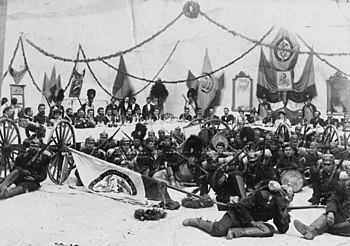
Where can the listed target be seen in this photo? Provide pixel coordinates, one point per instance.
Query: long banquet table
(82, 134)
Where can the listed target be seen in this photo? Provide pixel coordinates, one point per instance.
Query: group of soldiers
(243, 166)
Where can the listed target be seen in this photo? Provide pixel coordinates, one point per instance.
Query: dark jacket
(264, 205)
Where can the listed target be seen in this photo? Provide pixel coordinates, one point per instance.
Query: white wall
(106, 26)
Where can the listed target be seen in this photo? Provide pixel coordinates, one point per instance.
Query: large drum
(294, 178)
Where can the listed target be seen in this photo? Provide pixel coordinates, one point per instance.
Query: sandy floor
(59, 215)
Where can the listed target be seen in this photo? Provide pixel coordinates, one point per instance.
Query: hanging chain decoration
(143, 79)
(265, 44)
(322, 59)
(26, 64)
(142, 89)
(100, 58)
(13, 57)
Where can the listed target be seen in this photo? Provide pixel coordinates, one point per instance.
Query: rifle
(109, 139)
(233, 204)
(173, 135)
(335, 169)
(36, 156)
(306, 207)
(126, 135)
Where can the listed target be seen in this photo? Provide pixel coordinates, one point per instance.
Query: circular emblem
(206, 84)
(283, 55)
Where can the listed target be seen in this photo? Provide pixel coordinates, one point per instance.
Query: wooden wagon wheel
(217, 125)
(196, 121)
(283, 133)
(10, 145)
(61, 137)
(329, 135)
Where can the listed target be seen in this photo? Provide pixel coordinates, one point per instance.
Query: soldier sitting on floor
(336, 220)
(29, 171)
(323, 179)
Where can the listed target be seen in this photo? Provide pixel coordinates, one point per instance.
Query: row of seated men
(230, 168)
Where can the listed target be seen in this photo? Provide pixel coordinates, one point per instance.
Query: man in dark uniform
(113, 107)
(336, 220)
(323, 179)
(330, 120)
(288, 161)
(147, 109)
(91, 93)
(247, 217)
(28, 173)
(263, 108)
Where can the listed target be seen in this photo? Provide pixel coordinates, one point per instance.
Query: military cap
(104, 134)
(328, 158)
(89, 140)
(333, 144)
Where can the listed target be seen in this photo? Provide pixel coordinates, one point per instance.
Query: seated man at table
(186, 115)
(317, 121)
(101, 118)
(330, 120)
(29, 171)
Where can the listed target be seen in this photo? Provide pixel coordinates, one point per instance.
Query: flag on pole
(284, 59)
(122, 85)
(51, 86)
(77, 80)
(119, 183)
(207, 86)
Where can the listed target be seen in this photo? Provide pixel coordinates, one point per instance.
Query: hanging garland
(101, 58)
(13, 57)
(26, 64)
(322, 59)
(268, 45)
(198, 77)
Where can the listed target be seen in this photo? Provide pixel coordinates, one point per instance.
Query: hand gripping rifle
(37, 155)
(335, 169)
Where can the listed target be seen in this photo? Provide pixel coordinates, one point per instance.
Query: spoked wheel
(10, 146)
(283, 133)
(196, 121)
(216, 125)
(61, 137)
(329, 135)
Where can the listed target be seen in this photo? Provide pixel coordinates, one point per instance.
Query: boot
(250, 232)
(316, 228)
(204, 225)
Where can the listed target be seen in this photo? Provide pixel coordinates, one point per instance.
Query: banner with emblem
(122, 184)
(77, 80)
(282, 59)
(207, 86)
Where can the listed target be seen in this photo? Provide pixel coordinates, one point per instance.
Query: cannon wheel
(196, 121)
(329, 135)
(283, 133)
(219, 125)
(61, 137)
(10, 145)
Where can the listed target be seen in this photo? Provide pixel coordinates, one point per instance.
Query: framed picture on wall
(242, 91)
(284, 80)
(338, 91)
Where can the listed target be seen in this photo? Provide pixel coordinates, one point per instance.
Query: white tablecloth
(82, 134)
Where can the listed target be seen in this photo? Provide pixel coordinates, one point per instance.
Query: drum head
(294, 178)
